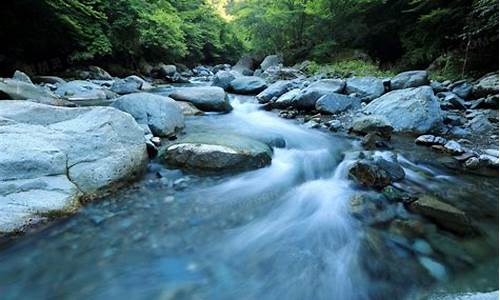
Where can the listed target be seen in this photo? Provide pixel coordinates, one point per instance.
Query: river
(281, 232)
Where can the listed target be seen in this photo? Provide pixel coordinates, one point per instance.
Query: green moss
(347, 68)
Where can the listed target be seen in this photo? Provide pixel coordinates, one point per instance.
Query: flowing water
(281, 232)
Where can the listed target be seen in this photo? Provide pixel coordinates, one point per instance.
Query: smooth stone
(250, 85)
(206, 98)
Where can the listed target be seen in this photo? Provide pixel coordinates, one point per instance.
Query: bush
(348, 68)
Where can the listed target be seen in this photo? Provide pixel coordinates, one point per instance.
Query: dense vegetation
(459, 36)
(124, 31)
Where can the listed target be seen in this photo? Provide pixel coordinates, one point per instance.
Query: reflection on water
(281, 232)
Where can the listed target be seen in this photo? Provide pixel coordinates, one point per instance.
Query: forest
(456, 38)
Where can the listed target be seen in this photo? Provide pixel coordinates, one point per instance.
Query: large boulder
(308, 96)
(20, 90)
(206, 98)
(271, 61)
(414, 110)
(217, 153)
(51, 157)
(367, 88)
(336, 103)
(223, 79)
(162, 114)
(247, 85)
(83, 91)
(487, 85)
(409, 79)
(275, 90)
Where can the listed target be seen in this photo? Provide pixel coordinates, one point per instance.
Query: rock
(247, 85)
(19, 90)
(286, 99)
(188, 109)
(308, 97)
(409, 110)
(370, 124)
(456, 101)
(53, 102)
(453, 147)
(98, 73)
(376, 174)
(162, 114)
(276, 73)
(409, 79)
(165, 70)
(270, 61)
(489, 161)
(429, 140)
(480, 125)
(51, 157)
(20, 76)
(442, 213)
(206, 98)
(435, 269)
(246, 65)
(490, 102)
(367, 88)
(79, 90)
(202, 71)
(223, 79)
(217, 153)
(491, 152)
(129, 85)
(221, 67)
(371, 209)
(487, 85)
(276, 89)
(438, 87)
(336, 103)
(472, 163)
(48, 79)
(462, 89)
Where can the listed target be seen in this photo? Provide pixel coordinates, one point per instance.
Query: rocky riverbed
(256, 180)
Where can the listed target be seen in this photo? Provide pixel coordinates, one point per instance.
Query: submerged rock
(162, 114)
(52, 156)
(414, 110)
(209, 98)
(217, 153)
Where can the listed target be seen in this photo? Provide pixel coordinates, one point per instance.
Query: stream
(281, 232)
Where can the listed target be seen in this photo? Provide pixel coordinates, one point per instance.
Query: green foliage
(347, 68)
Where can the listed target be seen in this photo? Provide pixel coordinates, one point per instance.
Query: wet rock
(276, 89)
(217, 153)
(162, 114)
(367, 88)
(409, 79)
(376, 174)
(21, 76)
(52, 156)
(19, 90)
(453, 147)
(371, 209)
(429, 140)
(205, 98)
(407, 228)
(414, 110)
(487, 85)
(247, 85)
(472, 163)
(223, 79)
(308, 97)
(372, 124)
(336, 103)
(444, 214)
(286, 99)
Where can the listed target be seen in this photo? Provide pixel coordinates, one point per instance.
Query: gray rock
(247, 85)
(372, 124)
(246, 65)
(79, 90)
(223, 79)
(188, 109)
(429, 140)
(489, 160)
(53, 156)
(166, 70)
(409, 110)
(409, 79)
(453, 147)
(129, 85)
(276, 89)
(19, 90)
(217, 153)
(462, 89)
(442, 213)
(367, 88)
(487, 85)
(21, 76)
(48, 79)
(375, 174)
(308, 96)
(438, 87)
(286, 99)
(98, 73)
(336, 103)
(162, 114)
(270, 61)
(206, 98)
(456, 101)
